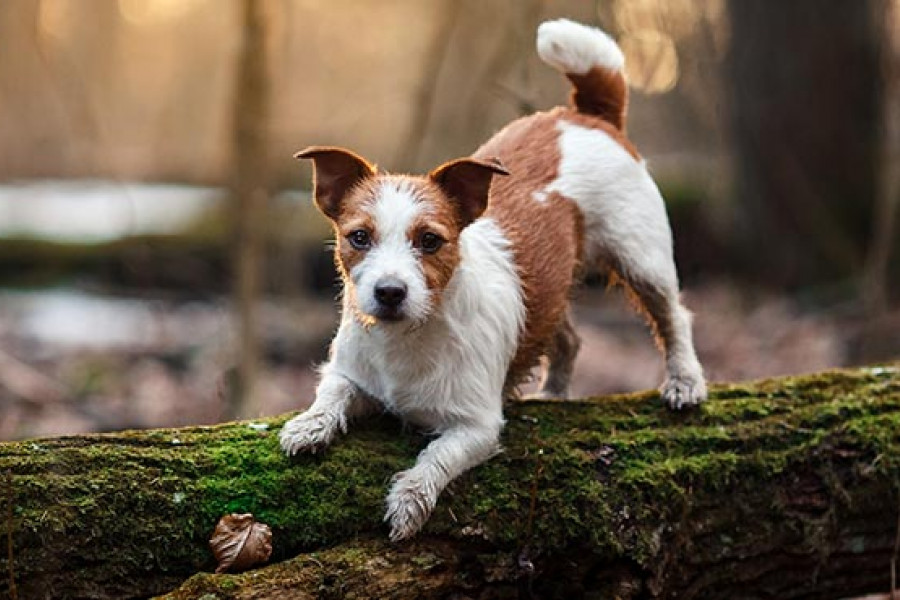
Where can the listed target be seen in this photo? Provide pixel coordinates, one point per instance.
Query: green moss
(137, 508)
(654, 469)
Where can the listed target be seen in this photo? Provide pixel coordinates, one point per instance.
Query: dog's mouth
(389, 314)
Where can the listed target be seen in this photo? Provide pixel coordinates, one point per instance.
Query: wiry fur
(478, 313)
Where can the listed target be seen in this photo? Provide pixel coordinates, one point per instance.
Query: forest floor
(73, 363)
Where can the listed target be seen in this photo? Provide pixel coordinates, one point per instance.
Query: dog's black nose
(390, 292)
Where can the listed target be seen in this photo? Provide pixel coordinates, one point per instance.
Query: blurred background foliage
(160, 262)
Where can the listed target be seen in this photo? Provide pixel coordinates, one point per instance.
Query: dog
(456, 284)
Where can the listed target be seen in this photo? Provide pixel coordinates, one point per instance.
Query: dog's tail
(594, 64)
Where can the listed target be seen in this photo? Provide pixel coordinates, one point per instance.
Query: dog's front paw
(409, 504)
(308, 432)
(683, 391)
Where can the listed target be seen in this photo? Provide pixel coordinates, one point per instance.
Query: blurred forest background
(161, 264)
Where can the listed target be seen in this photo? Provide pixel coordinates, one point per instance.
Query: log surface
(785, 488)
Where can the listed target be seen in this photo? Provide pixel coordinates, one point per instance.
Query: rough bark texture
(777, 489)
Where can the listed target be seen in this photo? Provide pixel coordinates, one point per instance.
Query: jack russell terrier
(457, 283)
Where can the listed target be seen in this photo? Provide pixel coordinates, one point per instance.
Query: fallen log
(786, 488)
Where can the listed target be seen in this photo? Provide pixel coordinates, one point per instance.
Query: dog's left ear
(468, 182)
(336, 172)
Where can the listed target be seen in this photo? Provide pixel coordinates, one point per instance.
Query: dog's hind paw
(679, 391)
(409, 504)
(309, 432)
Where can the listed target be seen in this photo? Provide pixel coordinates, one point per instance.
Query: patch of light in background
(55, 19)
(678, 18)
(98, 211)
(651, 61)
(70, 319)
(649, 31)
(154, 13)
(894, 25)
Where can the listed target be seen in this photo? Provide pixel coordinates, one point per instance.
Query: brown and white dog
(455, 288)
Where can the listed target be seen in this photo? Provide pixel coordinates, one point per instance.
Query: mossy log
(787, 488)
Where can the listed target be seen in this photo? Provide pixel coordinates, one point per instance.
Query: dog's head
(397, 235)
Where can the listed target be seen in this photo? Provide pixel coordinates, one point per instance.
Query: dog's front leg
(414, 492)
(337, 399)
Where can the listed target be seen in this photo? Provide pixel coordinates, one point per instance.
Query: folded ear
(335, 171)
(468, 182)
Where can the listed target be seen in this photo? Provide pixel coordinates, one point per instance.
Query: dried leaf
(240, 542)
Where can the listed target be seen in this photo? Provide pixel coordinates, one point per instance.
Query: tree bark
(785, 488)
(410, 150)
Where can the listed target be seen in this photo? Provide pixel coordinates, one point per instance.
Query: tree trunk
(410, 150)
(251, 195)
(778, 489)
(807, 121)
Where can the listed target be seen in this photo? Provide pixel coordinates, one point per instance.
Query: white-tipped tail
(575, 48)
(593, 63)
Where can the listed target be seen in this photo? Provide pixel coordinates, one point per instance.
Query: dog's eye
(360, 239)
(430, 242)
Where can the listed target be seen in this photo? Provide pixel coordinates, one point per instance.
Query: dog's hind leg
(657, 296)
(560, 361)
(627, 233)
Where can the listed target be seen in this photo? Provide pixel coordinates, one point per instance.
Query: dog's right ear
(335, 171)
(468, 181)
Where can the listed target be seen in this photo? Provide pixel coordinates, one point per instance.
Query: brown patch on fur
(438, 268)
(444, 219)
(601, 92)
(353, 216)
(595, 122)
(546, 236)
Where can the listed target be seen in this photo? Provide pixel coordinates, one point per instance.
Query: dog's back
(580, 197)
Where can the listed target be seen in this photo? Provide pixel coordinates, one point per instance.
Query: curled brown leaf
(240, 542)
